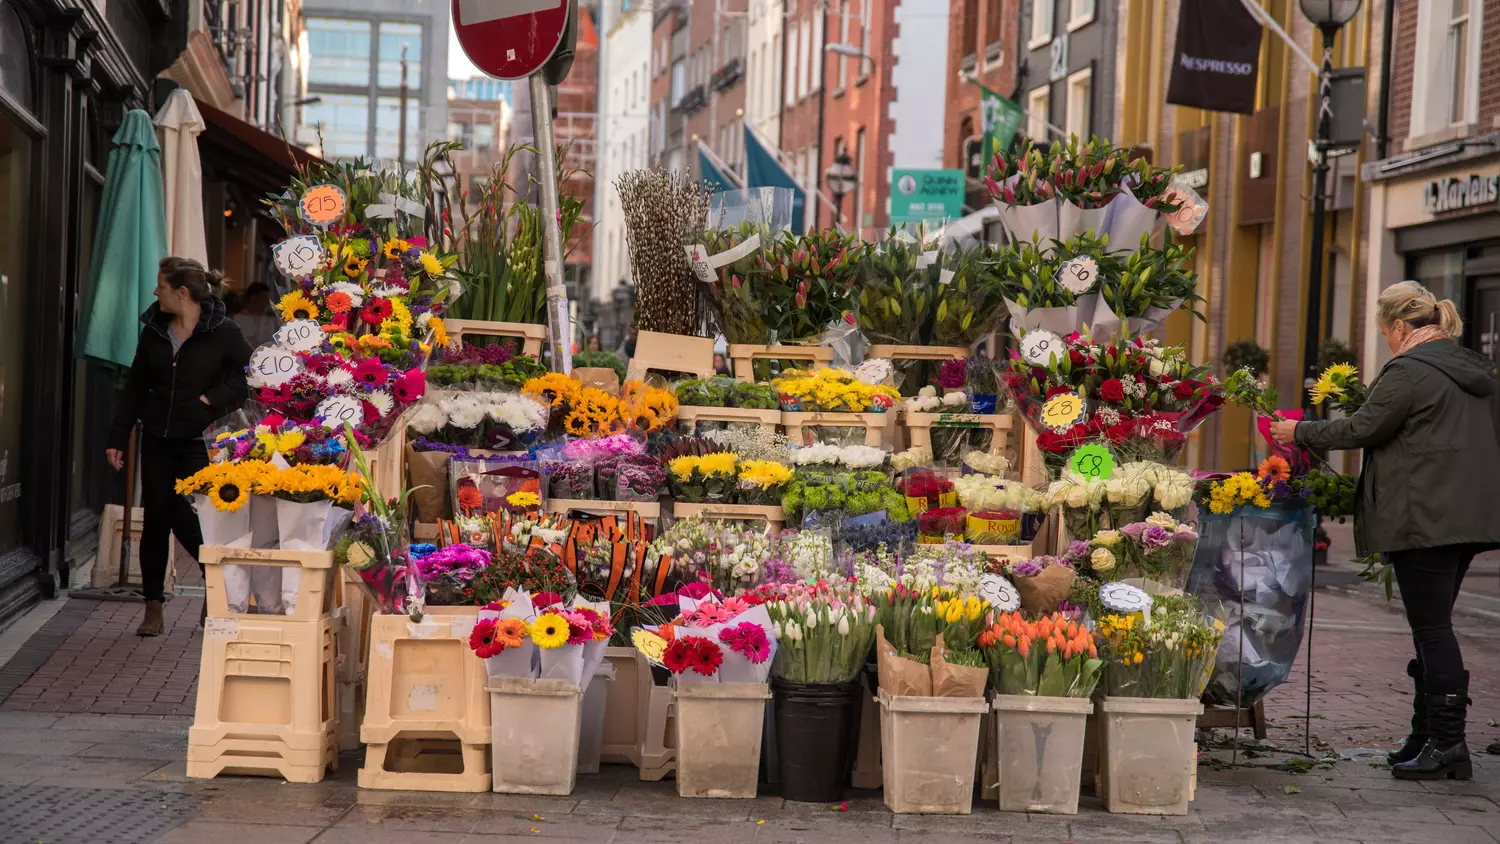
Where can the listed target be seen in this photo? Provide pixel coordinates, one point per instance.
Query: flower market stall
(878, 548)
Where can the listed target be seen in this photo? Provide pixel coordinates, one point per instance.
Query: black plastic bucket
(815, 725)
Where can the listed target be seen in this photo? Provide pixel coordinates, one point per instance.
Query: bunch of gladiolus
(825, 630)
(1048, 657)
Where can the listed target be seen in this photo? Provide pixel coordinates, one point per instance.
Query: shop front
(1436, 220)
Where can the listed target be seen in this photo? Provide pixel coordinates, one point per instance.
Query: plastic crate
(316, 591)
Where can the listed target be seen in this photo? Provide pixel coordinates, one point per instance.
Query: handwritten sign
(1039, 346)
(649, 644)
(336, 410)
(1122, 597)
(299, 257)
(272, 366)
(299, 335)
(1001, 593)
(1191, 208)
(1092, 461)
(323, 205)
(1078, 275)
(1062, 411)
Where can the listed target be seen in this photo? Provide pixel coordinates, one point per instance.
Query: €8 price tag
(1062, 410)
(323, 205)
(1092, 461)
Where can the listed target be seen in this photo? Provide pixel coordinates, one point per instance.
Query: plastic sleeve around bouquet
(969, 294)
(511, 486)
(377, 550)
(569, 479)
(1253, 570)
(895, 299)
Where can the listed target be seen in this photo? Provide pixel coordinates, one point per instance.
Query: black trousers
(1430, 579)
(168, 514)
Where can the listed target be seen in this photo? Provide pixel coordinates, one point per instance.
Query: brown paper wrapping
(949, 680)
(427, 473)
(899, 676)
(1041, 594)
(602, 377)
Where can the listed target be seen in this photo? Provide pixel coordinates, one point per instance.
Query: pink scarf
(1425, 334)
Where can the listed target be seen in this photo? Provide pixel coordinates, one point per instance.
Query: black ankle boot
(1414, 742)
(1445, 755)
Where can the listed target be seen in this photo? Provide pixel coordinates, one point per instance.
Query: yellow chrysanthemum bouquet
(832, 391)
(762, 482)
(702, 479)
(1341, 388)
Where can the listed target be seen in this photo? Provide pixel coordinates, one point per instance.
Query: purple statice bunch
(471, 355)
(463, 453)
(570, 480)
(459, 560)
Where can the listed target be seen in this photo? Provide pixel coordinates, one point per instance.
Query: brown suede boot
(153, 623)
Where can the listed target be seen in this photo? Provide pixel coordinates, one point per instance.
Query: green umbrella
(129, 242)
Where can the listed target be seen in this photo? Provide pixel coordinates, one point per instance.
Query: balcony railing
(694, 100)
(730, 73)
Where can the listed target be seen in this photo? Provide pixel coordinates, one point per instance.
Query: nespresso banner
(1218, 53)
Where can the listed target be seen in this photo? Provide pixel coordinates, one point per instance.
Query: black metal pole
(1313, 332)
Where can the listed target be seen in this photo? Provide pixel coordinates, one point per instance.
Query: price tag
(945, 276)
(1122, 597)
(299, 335)
(1078, 275)
(271, 366)
(1040, 346)
(221, 628)
(1191, 210)
(649, 644)
(1092, 461)
(927, 259)
(299, 257)
(697, 255)
(1062, 411)
(336, 410)
(323, 205)
(1001, 593)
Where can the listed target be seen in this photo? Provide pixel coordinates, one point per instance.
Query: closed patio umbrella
(180, 124)
(129, 242)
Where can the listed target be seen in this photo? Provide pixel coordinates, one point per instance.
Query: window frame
(1037, 115)
(1072, 82)
(1081, 13)
(1037, 39)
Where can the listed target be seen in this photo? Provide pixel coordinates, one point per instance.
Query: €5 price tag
(1001, 593)
(1062, 411)
(1092, 461)
(1122, 597)
(323, 205)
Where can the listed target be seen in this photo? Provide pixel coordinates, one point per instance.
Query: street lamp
(1328, 16)
(839, 178)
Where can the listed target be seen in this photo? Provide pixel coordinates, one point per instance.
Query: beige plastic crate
(1039, 745)
(265, 699)
(930, 747)
(354, 626)
(388, 461)
(316, 592)
(637, 719)
(427, 713)
(719, 728)
(1147, 757)
(107, 559)
(534, 734)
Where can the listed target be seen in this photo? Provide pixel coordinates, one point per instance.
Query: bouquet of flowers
(709, 478)
(1081, 499)
(712, 551)
(762, 482)
(832, 390)
(1341, 388)
(927, 490)
(952, 565)
(535, 570)
(1043, 582)
(913, 620)
(927, 400)
(941, 524)
(1169, 658)
(846, 493)
(705, 392)
(492, 367)
(825, 630)
(637, 477)
(446, 572)
(496, 421)
(726, 640)
(538, 635)
(1159, 549)
(297, 443)
(377, 548)
(821, 459)
(566, 479)
(1051, 656)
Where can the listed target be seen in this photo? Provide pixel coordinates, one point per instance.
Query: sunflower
(432, 266)
(296, 305)
(554, 388)
(549, 631)
(227, 496)
(355, 267)
(577, 424)
(393, 248)
(508, 632)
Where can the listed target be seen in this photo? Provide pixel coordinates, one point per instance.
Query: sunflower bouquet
(704, 479)
(1340, 387)
(647, 408)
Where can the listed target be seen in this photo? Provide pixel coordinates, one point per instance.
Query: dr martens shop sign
(1457, 194)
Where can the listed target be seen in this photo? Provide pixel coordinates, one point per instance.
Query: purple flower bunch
(603, 448)
(639, 478)
(461, 561)
(461, 452)
(471, 355)
(567, 479)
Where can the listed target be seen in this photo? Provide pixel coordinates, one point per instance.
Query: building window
(815, 60)
(1041, 22)
(343, 122)
(804, 64)
(1080, 13)
(1446, 68)
(969, 35)
(338, 52)
(484, 137)
(679, 82)
(1080, 101)
(994, 50)
(388, 128)
(792, 62)
(857, 209)
(393, 38)
(1037, 104)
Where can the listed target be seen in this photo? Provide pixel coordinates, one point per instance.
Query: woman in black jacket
(188, 372)
(1426, 503)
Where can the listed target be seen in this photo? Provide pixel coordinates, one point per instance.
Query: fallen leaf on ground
(1292, 789)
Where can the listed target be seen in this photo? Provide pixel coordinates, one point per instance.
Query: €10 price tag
(1078, 275)
(1039, 347)
(336, 410)
(271, 366)
(299, 335)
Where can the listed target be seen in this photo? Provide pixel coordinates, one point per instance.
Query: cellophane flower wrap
(715, 552)
(1159, 549)
(913, 619)
(447, 572)
(376, 545)
(1169, 658)
(704, 479)
(540, 635)
(1051, 656)
(825, 629)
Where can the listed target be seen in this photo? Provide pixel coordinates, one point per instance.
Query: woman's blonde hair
(1415, 305)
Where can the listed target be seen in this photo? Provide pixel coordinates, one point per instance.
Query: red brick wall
(963, 98)
(1489, 68)
(1403, 67)
(800, 120)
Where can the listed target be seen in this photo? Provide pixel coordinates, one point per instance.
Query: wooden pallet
(774, 517)
(744, 356)
(531, 336)
(875, 424)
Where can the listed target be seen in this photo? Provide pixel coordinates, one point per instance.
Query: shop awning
(247, 154)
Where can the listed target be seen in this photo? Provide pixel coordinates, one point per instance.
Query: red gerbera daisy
(706, 656)
(482, 640)
(677, 656)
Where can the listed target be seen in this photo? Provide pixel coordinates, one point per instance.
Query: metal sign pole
(559, 329)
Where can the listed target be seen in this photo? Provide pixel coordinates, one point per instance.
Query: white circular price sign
(299, 335)
(1039, 346)
(271, 366)
(337, 410)
(299, 257)
(1001, 593)
(1078, 275)
(1122, 597)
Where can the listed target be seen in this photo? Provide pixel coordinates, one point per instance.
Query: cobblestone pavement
(98, 725)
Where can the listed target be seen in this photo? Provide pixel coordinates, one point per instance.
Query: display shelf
(875, 424)
(532, 337)
(744, 356)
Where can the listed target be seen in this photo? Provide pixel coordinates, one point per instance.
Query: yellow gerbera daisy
(296, 305)
(549, 631)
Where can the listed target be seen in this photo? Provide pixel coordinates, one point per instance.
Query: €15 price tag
(1092, 461)
(323, 205)
(1062, 411)
(300, 256)
(271, 366)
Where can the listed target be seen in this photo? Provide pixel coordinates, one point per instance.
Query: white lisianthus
(928, 392)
